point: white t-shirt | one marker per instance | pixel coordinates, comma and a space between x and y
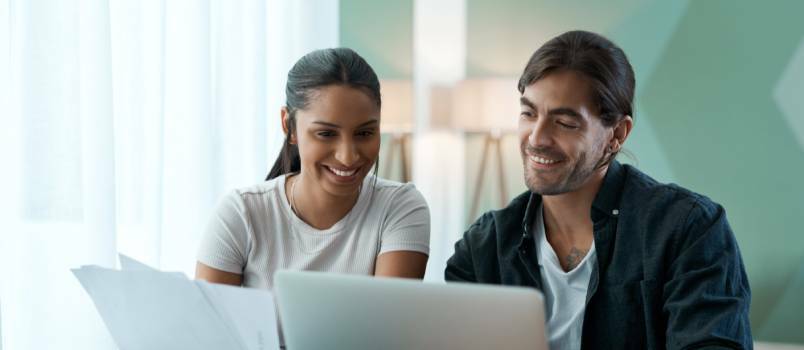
564, 292
254, 232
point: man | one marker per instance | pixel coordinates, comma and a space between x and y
623, 261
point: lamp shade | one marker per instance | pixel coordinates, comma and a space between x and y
397, 106
485, 104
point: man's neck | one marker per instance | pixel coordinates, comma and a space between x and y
569, 214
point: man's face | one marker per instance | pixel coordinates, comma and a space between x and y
562, 139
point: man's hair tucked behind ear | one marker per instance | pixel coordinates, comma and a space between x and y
597, 58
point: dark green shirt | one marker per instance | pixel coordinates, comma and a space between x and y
669, 273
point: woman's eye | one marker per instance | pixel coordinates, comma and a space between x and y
326, 133
365, 133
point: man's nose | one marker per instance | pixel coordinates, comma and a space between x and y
540, 134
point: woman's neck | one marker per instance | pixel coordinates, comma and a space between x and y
315, 206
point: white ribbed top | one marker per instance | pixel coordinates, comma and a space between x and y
254, 232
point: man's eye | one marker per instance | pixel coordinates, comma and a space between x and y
568, 126
526, 114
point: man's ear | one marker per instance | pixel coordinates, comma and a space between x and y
285, 115
621, 132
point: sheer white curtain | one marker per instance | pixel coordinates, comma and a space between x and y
123, 122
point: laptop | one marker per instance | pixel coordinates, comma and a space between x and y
332, 311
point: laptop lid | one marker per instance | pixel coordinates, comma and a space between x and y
331, 311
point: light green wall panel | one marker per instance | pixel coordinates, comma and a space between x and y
381, 32
725, 136
501, 35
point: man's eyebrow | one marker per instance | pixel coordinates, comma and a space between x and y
524, 101
567, 111
336, 126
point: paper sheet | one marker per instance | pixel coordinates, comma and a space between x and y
144, 308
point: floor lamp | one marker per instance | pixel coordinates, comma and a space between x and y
398, 146
396, 119
489, 106
491, 144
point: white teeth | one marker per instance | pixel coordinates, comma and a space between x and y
541, 160
341, 172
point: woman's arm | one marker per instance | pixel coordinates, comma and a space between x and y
402, 263
204, 272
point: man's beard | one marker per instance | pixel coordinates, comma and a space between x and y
580, 172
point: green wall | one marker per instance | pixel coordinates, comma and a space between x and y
719, 109
381, 32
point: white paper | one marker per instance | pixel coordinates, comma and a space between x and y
129, 263
144, 308
252, 313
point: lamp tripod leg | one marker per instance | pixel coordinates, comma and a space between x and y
501, 172
479, 180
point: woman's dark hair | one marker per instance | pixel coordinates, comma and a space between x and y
597, 58
318, 69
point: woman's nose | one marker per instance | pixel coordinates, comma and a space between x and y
347, 153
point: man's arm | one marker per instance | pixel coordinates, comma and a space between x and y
460, 267
707, 296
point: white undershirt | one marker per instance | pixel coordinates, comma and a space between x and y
564, 292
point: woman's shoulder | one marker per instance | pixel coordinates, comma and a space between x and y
270, 187
255, 193
394, 191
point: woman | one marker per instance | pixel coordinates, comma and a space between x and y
319, 208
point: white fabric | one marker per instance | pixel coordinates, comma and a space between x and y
255, 233
121, 123
564, 292
438, 150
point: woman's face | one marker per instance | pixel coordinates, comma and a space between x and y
338, 136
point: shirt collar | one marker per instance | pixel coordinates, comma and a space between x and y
606, 200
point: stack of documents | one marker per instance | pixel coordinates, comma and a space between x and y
144, 308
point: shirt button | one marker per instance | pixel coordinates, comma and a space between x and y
615, 212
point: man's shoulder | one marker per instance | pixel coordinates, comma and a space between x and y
644, 193
665, 211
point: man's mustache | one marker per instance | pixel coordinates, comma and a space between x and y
544, 152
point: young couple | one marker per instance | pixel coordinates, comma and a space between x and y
623, 261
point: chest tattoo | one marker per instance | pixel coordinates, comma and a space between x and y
574, 258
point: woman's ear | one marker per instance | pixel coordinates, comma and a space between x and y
286, 125
621, 132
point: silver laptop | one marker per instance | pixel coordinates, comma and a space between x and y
332, 311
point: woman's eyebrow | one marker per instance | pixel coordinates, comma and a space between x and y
336, 126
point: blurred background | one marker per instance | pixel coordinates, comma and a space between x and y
123, 122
